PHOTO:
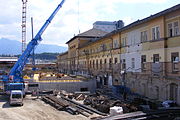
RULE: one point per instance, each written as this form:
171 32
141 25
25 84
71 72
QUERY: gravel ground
33 109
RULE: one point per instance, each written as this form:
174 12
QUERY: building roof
8 59
64 53
138 22
162 13
104 23
92 33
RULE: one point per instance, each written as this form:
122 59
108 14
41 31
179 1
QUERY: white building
108 26
132 57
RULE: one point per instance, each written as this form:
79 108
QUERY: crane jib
16 71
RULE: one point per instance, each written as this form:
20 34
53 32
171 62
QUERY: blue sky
68 22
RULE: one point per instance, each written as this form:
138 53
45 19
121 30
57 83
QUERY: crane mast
24 6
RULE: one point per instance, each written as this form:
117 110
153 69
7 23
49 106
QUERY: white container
116 110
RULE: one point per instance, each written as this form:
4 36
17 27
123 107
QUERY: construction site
94 79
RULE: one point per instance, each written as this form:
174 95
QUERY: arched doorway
173 92
105 80
156 90
143 89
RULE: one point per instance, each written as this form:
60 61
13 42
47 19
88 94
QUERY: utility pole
33 55
24 5
111 64
123 73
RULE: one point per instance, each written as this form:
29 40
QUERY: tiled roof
92 33
105 23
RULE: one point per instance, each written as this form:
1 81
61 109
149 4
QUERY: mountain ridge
13 47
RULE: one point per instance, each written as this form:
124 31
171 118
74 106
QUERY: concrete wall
152 87
68 86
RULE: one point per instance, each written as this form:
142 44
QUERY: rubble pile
103 103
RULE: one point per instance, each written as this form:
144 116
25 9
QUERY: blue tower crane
14 80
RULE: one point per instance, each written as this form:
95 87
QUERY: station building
144 56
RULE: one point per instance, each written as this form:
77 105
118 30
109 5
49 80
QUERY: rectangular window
173 29
116 44
124 42
176 28
124 64
133 63
115 60
103 47
97 49
144 36
155 33
170 30
143 58
156 58
143 62
110 45
133 40
175 60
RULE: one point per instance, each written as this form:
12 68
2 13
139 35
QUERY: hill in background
13 47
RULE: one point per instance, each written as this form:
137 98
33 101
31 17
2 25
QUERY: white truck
16 97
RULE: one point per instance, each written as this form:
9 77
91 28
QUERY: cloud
128 20
67 22
139 1
7 32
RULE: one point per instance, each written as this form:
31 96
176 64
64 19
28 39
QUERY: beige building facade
144 56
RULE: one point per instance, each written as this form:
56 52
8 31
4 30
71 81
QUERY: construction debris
98 103
103 103
80 97
55 102
64 103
